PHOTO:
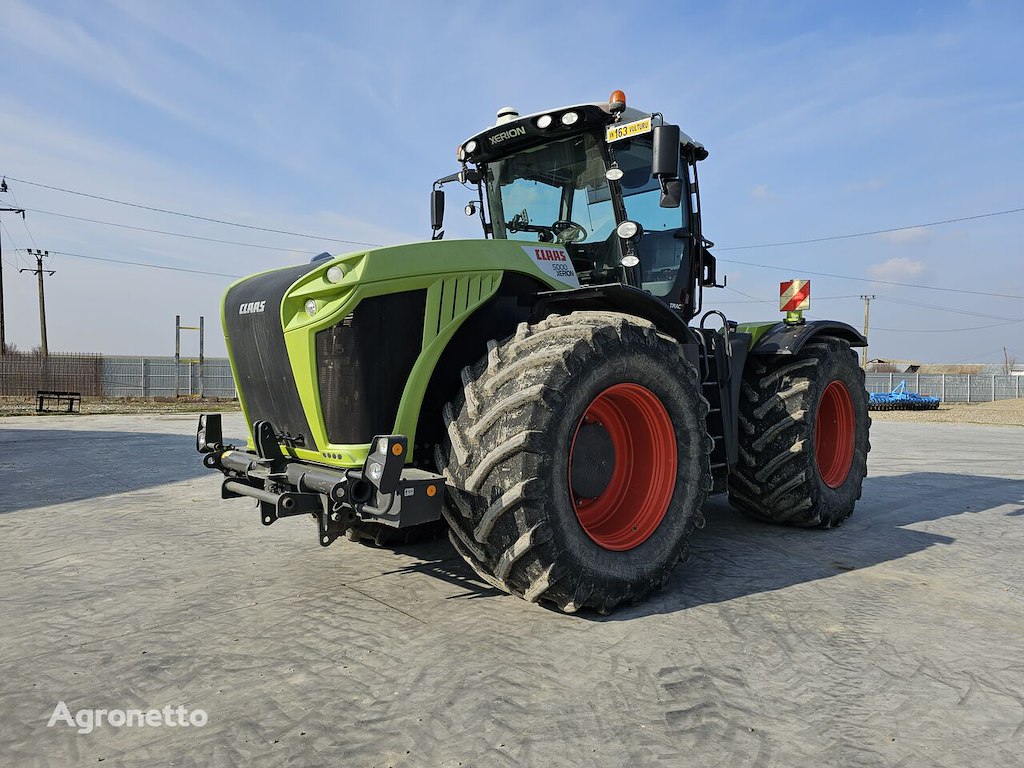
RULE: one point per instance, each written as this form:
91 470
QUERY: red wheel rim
834 430
636 498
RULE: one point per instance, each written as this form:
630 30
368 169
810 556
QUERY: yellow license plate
628 130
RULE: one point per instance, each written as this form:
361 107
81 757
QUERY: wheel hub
621 486
593 460
835 427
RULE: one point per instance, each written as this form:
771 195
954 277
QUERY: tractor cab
614 186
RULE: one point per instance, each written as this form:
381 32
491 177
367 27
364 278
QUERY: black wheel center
593 461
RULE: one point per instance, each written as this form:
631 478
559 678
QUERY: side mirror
436 209
665 161
671 193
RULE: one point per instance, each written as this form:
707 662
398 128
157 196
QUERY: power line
945 309
24 221
899 330
3 322
13 245
192 215
143 264
947 330
727 248
975 356
872 232
753 300
164 232
777 268
749 296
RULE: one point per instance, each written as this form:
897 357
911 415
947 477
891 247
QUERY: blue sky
822 119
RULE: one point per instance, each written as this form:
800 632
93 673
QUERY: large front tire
803 437
577 461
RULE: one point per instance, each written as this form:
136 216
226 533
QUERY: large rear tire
577 461
803 437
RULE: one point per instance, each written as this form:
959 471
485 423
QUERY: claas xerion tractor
554 393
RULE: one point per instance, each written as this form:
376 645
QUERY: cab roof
522 132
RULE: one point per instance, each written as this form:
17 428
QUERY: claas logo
252 306
548 254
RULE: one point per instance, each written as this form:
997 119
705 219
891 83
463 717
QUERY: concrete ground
895 640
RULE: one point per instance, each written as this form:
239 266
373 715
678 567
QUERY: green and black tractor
555 393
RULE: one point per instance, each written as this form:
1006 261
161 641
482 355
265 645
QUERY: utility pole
867 313
3 329
39 271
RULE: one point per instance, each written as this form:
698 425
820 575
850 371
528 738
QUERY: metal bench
72 399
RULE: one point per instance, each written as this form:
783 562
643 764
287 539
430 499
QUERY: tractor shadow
735 556
41 467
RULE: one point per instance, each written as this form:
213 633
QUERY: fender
782 339
617 298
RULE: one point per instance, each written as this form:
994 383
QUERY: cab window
660 249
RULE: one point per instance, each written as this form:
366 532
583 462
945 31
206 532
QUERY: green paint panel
458 277
756 330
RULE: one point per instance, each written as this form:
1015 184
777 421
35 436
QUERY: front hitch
384 490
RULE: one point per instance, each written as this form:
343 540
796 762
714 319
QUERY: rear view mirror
671 193
665 161
436 209
437 212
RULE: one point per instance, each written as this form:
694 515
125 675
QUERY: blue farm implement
901 400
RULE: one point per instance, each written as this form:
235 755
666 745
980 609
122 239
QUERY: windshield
558 193
553 193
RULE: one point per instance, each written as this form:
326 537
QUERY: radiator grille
363 364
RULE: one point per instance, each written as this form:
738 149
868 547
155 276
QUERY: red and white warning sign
794 295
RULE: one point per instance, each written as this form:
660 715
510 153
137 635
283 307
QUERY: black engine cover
252 320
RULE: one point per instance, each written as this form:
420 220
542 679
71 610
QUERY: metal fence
157 377
97 375
951 387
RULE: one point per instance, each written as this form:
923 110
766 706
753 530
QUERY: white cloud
904 236
761 192
899 268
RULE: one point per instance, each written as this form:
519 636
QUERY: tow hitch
384 490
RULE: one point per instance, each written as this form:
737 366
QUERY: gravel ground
1003 413
891 641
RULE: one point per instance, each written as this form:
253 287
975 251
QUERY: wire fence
102 376
27 373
